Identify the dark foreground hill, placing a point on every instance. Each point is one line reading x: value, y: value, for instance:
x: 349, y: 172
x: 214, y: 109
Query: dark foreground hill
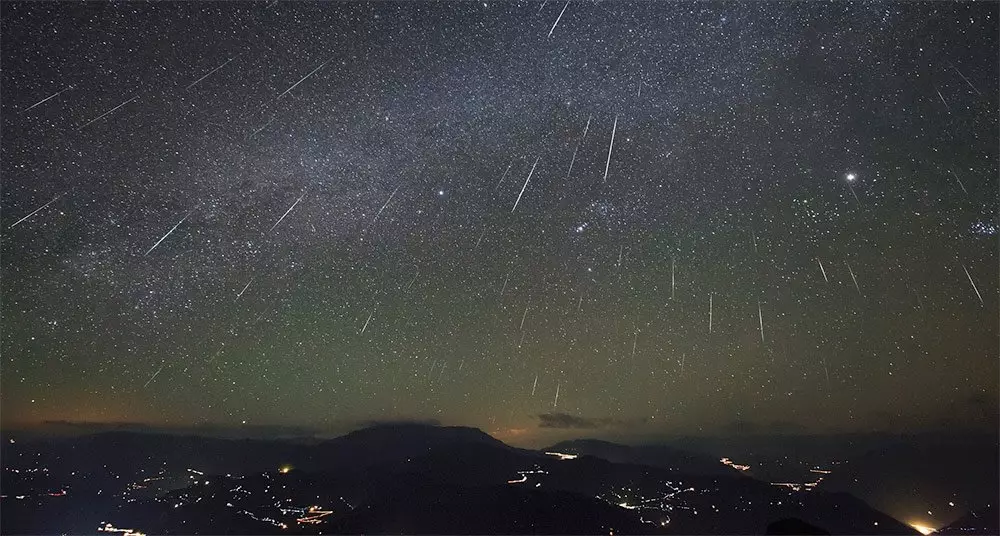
x: 977, y: 522
x: 389, y: 479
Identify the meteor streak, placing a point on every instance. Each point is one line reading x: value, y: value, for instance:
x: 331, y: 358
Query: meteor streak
x: 52, y: 96
x: 189, y: 86
x: 822, y: 269
x: 967, y: 274
x: 525, y: 185
x: 303, y: 78
x: 558, y: 18
x: 610, y: 148
x: 108, y: 112
x: 164, y: 237
x: 37, y: 210
x: 286, y: 212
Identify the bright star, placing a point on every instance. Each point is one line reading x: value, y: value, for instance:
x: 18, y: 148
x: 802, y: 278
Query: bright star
x: 851, y: 177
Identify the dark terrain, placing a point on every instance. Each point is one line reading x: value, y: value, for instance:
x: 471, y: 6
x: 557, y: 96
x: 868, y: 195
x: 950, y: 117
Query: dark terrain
x: 392, y: 479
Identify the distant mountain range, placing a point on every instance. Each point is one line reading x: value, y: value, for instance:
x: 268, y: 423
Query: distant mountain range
x: 984, y: 521
x: 654, y: 455
x: 414, y: 479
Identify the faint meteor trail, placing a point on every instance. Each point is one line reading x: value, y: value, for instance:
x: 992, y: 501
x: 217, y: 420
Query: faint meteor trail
x: 385, y: 205
x: 709, y: 312
x: 826, y: 372
x: 953, y: 174
x: 504, y: 176
x: 216, y: 354
x: 164, y: 237
x: 108, y: 112
x: 286, y: 212
x: 192, y: 84
x: 37, y: 210
x: 852, y: 277
x: 534, y: 385
x: 481, y: 235
x: 635, y: 338
x: 851, y: 188
x: 525, y: 185
x: 155, y: 374
x: 942, y: 99
x: 558, y: 18
x: 304, y: 78
x: 363, y: 328
x: 822, y: 270
x: 753, y: 236
x: 523, y: 316
x: 586, y: 127
x: 607, y: 165
x: 410, y: 284
x: 967, y: 274
x: 52, y: 96
x: 504, y: 287
x: 262, y: 127
x: 966, y: 79
x: 673, y: 282
x: 555, y: 402
x: 920, y: 301
x: 683, y: 357
x: 244, y: 289
x: 573, y: 160
x: 760, y: 316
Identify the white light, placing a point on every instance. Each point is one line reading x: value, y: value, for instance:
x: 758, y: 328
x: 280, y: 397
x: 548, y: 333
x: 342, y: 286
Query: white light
x: 851, y: 176
x: 440, y: 192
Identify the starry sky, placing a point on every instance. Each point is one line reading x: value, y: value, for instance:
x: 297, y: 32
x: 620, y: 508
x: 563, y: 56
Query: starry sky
x: 575, y: 218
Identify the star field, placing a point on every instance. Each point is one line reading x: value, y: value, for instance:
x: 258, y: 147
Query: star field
x: 678, y: 216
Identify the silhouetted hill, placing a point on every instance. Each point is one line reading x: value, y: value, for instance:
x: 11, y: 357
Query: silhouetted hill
x: 386, y: 443
x: 492, y: 510
x: 794, y: 526
x: 983, y: 521
x: 655, y: 455
x: 409, y: 479
x: 904, y: 475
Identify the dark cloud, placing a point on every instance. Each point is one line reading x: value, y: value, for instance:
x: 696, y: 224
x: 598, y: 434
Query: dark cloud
x: 567, y: 421
x: 768, y: 428
x: 270, y: 431
x: 398, y: 422
x: 88, y: 427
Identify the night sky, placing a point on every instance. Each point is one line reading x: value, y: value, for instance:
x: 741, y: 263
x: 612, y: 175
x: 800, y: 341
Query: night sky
x: 534, y: 218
